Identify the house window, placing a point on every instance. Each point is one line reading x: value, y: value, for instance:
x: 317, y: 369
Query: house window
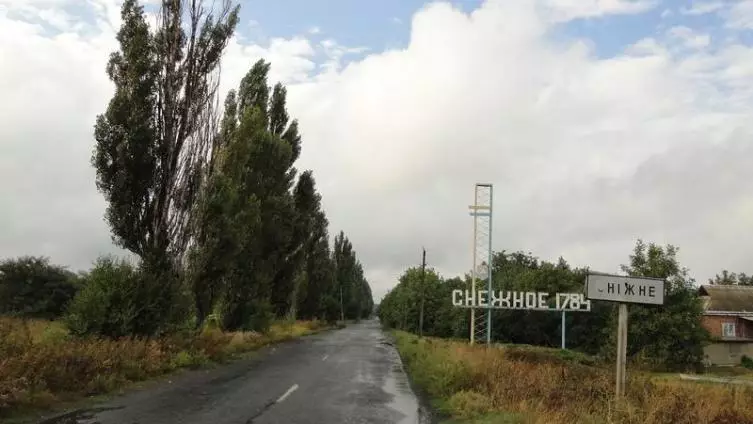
x: 728, y: 329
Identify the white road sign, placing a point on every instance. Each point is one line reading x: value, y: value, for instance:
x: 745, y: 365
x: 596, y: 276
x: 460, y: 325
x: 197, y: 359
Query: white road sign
x: 539, y: 301
x: 625, y: 289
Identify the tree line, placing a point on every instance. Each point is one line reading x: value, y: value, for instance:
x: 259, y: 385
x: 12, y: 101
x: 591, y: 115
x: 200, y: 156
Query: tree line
x: 207, y: 198
x: 664, y: 337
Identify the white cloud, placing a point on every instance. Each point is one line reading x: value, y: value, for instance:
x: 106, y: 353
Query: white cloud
x: 490, y: 97
x: 565, y: 10
x: 740, y: 15
x: 689, y: 38
x: 702, y: 8
x: 52, y: 88
x: 334, y: 52
x: 292, y: 60
x: 315, y: 30
x: 55, y: 15
x: 586, y: 154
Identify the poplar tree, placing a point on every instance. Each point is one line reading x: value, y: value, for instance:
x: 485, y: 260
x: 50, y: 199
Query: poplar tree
x: 153, y: 141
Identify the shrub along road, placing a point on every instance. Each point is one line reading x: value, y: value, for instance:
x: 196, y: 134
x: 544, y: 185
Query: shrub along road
x: 352, y: 375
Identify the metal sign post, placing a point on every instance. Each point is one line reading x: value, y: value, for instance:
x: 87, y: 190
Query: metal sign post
x: 481, y: 211
x: 624, y: 290
x: 563, y: 330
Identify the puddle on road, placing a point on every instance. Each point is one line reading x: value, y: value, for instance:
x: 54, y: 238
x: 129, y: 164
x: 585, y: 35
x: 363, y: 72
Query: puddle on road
x: 80, y: 416
x: 403, y: 400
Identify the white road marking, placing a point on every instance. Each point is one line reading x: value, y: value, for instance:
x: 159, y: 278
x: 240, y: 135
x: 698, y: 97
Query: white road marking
x: 325, y: 357
x: 292, y: 388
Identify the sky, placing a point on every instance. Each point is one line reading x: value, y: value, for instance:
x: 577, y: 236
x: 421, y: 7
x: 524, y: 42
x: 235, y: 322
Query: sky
x: 598, y: 122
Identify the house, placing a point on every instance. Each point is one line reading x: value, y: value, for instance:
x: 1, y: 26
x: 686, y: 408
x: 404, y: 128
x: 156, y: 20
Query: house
x: 728, y: 317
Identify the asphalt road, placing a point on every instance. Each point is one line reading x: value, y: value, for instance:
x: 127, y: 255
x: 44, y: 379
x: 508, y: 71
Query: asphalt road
x: 351, y: 375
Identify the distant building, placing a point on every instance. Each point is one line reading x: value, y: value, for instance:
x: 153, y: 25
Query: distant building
x: 728, y: 316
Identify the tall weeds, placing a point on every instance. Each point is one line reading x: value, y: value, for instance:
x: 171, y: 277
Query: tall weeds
x: 40, y: 365
x: 552, y: 387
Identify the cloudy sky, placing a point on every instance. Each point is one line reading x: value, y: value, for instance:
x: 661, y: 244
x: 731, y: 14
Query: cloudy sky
x: 597, y: 121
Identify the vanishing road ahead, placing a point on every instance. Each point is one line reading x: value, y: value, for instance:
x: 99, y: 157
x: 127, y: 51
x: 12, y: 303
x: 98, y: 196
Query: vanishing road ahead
x: 351, y: 375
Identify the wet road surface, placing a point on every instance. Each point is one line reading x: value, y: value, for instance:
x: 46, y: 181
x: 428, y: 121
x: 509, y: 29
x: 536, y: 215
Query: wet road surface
x: 351, y: 375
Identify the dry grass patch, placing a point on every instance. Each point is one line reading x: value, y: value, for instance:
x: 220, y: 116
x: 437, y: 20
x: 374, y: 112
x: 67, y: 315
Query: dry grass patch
x: 552, y: 386
x: 40, y: 364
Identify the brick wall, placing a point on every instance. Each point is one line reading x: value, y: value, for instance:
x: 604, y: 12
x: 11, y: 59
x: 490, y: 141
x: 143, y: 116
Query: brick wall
x: 713, y: 323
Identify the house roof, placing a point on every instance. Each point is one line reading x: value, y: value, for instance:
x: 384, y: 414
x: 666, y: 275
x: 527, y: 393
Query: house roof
x: 727, y: 298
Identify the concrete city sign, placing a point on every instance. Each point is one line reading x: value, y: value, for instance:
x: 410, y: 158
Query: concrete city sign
x: 625, y: 289
x: 540, y: 301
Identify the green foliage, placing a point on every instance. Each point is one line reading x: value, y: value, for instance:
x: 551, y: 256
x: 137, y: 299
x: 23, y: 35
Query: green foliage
x: 125, y: 157
x: 152, y: 141
x: 355, y: 293
x: 32, y: 287
x: 256, y: 159
x: 224, y: 229
x: 746, y: 362
x: 262, y: 245
x: 668, y: 337
x: 316, y: 295
x: 220, y: 221
x: 400, y: 308
x: 227, y: 216
x: 524, y: 272
x: 731, y: 278
x: 118, y: 300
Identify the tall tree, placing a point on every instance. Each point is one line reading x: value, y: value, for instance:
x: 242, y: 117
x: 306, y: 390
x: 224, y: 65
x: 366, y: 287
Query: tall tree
x: 342, y: 257
x: 309, y: 218
x: 731, y: 278
x: 670, y: 336
x: 262, y: 246
x: 258, y: 127
x: 228, y: 216
x: 153, y: 140
x: 294, y: 217
x: 354, y: 290
x: 316, y: 294
x: 400, y: 307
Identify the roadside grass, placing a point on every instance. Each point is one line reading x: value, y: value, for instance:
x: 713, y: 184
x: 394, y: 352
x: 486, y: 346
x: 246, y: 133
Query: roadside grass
x: 730, y: 372
x: 41, y: 365
x: 514, y: 384
x: 714, y: 375
x: 494, y: 418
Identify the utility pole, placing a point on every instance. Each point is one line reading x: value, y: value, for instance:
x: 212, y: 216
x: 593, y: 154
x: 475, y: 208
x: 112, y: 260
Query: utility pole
x: 423, y: 294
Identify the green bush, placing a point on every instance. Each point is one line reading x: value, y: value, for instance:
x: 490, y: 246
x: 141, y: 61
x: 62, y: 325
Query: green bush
x: 120, y: 299
x: 110, y: 304
x: 262, y: 317
x: 31, y: 287
x: 746, y: 362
